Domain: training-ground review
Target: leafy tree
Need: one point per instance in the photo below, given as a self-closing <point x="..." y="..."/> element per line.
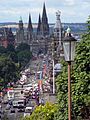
<point x="2" y="50"/>
<point x="10" y="48"/>
<point x="88" y="22"/>
<point x="22" y="47"/>
<point x="24" y="57"/>
<point x="80" y="78"/>
<point x="45" y="112"/>
<point x="13" y="56"/>
<point x="8" y="71"/>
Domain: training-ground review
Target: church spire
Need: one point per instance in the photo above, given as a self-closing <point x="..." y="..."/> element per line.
<point x="44" y="14"/>
<point x="20" y="23"/>
<point x="30" y="28"/>
<point x="39" y="25"/>
<point x="45" y="25"/>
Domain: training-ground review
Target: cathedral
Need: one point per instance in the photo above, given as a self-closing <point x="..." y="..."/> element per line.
<point x="40" y="41"/>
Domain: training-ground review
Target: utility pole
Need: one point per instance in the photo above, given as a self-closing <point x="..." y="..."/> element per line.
<point x="53" y="66"/>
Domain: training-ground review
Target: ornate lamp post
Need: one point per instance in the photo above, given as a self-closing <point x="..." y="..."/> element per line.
<point x="69" y="52"/>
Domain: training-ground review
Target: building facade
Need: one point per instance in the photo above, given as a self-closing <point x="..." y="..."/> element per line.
<point x="38" y="40"/>
<point x="6" y="37"/>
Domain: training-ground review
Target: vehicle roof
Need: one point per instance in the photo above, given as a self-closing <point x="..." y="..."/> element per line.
<point x="28" y="107"/>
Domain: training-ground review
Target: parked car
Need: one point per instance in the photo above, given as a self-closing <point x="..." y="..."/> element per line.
<point x="21" y="109"/>
<point x="12" y="110"/>
<point x="28" y="111"/>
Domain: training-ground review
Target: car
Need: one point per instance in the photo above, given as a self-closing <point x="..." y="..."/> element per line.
<point x="21" y="109"/>
<point x="12" y="110"/>
<point x="28" y="111"/>
<point x="5" y="102"/>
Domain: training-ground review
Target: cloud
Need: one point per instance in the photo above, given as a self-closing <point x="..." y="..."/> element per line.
<point x="68" y="8"/>
<point x="70" y="2"/>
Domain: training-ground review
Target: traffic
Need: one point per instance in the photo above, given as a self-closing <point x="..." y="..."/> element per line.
<point x="21" y="99"/>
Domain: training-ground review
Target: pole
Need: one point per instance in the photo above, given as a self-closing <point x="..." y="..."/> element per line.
<point x="69" y="90"/>
<point x="53" y="79"/>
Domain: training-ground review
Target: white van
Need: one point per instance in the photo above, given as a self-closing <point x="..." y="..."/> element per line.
<point x="28" y="111"/>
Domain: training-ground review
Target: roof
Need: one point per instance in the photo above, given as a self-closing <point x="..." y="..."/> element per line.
<point x="29" y="107"/>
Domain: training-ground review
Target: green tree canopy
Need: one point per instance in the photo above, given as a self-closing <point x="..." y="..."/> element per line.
<point x="80" y="78"/>
<point x="2" y="50"/>
<point x="45" y="112"/>
<point x="22" y="47"/>
<point x="10" y="48"/>
<point x="24" y="57"/>
<point x="8" y="71"/>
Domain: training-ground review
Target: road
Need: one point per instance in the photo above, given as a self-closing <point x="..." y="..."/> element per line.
<point x="31" y="82"/>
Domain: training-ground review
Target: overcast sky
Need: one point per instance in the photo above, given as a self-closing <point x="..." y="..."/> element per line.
<point x="71" y="10"/>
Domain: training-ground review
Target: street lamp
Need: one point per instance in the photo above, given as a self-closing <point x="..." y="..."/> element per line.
<point x="69" y="52"/>
<point x="53" y="62"/>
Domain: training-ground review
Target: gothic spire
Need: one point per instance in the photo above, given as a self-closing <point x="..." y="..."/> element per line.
<point x="39" y="25"/>
<point x="44" y="14"/>
<point x="45" y="25"/>
<point x="30" y="28"/>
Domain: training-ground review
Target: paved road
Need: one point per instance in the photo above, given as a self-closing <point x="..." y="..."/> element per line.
<point x="34" y="67"/>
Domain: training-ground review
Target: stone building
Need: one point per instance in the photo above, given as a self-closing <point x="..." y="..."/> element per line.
<point x="6" y="37"/>
<point x="38" y="41"/>
<point x="20" y="38"/>
<point x="58" y="36"/>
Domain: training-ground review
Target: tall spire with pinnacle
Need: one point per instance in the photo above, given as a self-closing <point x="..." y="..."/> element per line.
<point x="44" y="15"/>
<point x="39" y="26"/>
<point x="20" y="23"/>
<point x="30" y="28"/>
<point x="45" y="25"/>
<point x="29" y="31"/>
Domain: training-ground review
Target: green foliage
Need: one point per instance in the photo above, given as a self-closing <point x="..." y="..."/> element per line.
<point x="62" y="89"/>
<point x="45" y="112"/>
<point x="24" y="54"/>
<point x="8" y="71"/>
<point x="80" y="81"/>
<point x="10" y="48"/>
<point x="88" y="23"/>
<point x="9" y="57"/>
<point x="22" y="47"/>
<point x="2" y="50"/>
<point x="24" y="57"/>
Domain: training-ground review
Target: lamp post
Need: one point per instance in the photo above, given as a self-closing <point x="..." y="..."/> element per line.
<point x="53" y="62"/>
<point x="69" y="52"/>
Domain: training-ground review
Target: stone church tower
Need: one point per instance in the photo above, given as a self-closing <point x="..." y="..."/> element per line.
<point x="20" y="33"/>
<point x="58" y="32"/>
<point x="58" y="35"/>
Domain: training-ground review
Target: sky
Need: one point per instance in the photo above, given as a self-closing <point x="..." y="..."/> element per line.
<point x="72" y="11"/>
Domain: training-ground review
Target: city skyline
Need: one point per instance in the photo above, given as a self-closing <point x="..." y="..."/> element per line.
<point x="72" y="11"/>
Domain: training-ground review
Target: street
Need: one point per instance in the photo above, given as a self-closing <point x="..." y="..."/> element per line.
<point x="29" y="88"/>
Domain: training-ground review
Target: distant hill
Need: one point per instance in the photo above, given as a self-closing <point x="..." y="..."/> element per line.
<point x="75" y="27"/>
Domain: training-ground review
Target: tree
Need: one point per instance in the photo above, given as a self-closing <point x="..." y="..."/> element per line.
<point x="2" y="50"/>
<point x="22" y="47"/>
<point x="24" y="57"/>
<point x="10" y="48"/>
<point x="8" y="71"/>
<point x="45" y="112"/>
<point x="80" y="78"/>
